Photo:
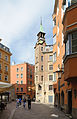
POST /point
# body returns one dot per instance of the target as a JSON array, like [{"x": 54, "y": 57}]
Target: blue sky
[{"x": 20, "y": 23}]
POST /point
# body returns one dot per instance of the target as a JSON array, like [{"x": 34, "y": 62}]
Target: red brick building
[{"x": 22, "y": 75}]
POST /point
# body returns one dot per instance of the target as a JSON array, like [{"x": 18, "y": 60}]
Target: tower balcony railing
[{"x": 4, "y": 48}]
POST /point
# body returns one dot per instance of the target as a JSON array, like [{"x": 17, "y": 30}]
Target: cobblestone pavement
[{"x": 38, "y": 111}]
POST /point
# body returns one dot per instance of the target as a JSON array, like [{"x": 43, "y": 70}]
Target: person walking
[
  {"x": 29, "y": 103},
  {"x": 20, "y": 101},
  {"x": 17, "y": 102},
  {"x": 24, "y": 102}
]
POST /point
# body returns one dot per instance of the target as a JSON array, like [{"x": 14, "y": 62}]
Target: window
[
  {"x": 21, "y": 75},
  {"x": 67, "y": 47},
  {"x": 39, "y": 87},
  {"x": 36, "y": 59},
  {"x": 62, "y": 38},
  {"x": 58, "y": 8},
  {"x": 6, "y": 68},
  {"x": 41, "y": 78},
  {"x": 0, "y": 55},
  {"x": 58, "y": 29},
  {"x": 28, "y": 69},
  {"x": 6, "y": 78},
  {"x": 0, "y": 77},
  {"x": 62, "y": 65},
  {"x": 0, "y": 66},
  {"x": 71, "y": 43},
  {"x": 74, "y": 42},
  {"x": 51, "y": 58},
  {"x": 54, "y": 77},
  {"x": 50, "y": 67},
  {"x": 42, "y": 68},
  {"x": 72, "y": 1},
  {"x": 42, "y": 58},
  {"x": 21, "y": 68},
  {"x": 21, "y": 89},
  {"x": 54, "y": 39},
  {"x": 17, "y": 82},
  {"x": 58, "y": 49},
  {"x": 17, "y": 89},
  {"x": 50, "y": 77},
  {"x": 17, "y": 75},
  {"x": 31, "y": 71},
  {"x": 50, "y": 87},
  {"x": 41, "y": 48},
  {"x": 30, "y": 76},
  {"x": 30, "y": 82},
  {"x": 36, "y": 68},
  {"x": 54, "y": 57},
  {"x": 17, "y": 69},
  {"x": 6, "y": 58},
  {"x": 21, "y": 82},
  {"x": 54, "y": 22},
  {"x": 36, "y": 78}
]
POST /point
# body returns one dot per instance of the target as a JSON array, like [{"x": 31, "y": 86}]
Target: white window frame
[
  {"x": 54, "y": 39},
  {"x": 54, "y": 57}
]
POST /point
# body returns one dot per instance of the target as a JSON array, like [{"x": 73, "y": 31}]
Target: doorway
[{"x": 70, "y": 101}]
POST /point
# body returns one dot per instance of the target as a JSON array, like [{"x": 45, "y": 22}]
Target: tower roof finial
[{"x": 41, "y": 27}]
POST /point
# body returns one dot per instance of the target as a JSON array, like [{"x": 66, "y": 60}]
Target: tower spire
[{"x": 41, "y": 27}]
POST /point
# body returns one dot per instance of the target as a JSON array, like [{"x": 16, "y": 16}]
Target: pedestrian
[
  {"x": 29, "y": 103},
  {"x": 24, "y": 102},
  {"x": 20, "y": 101},
  {"x": 17, "y": 102}
]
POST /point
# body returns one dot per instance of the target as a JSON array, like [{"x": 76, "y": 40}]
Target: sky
[{"x": 20, "y": 23}]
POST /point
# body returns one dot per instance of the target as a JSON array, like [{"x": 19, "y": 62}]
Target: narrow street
[{"x": 38, "y": 111}]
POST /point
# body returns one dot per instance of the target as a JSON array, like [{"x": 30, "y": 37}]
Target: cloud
[{"x": 19, "y": 23}]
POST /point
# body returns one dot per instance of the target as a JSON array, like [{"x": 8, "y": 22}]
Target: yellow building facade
[{"x": 4, "y": 68}]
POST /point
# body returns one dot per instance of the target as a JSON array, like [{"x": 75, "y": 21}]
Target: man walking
[{"x": 29, "y": 103}]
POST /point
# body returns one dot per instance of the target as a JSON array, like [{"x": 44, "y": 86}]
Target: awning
[{"x": 5, "y": 85}]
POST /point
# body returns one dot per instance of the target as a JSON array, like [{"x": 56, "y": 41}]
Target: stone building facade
[
  {"x": 43, "y": 70},
  {"x": 4, "y": 71}
]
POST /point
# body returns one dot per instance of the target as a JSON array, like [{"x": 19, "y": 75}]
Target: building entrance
[
  {"x": 70, "y": 101},
  {"x": 19, "y": 96}
]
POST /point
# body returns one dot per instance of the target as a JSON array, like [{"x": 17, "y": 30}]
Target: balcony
[
  {"x": 48, "y": 48},
  {"x": 70, "y": 67}
]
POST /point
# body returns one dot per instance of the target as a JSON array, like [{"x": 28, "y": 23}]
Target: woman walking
[{"x": 24, "y": 102}]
